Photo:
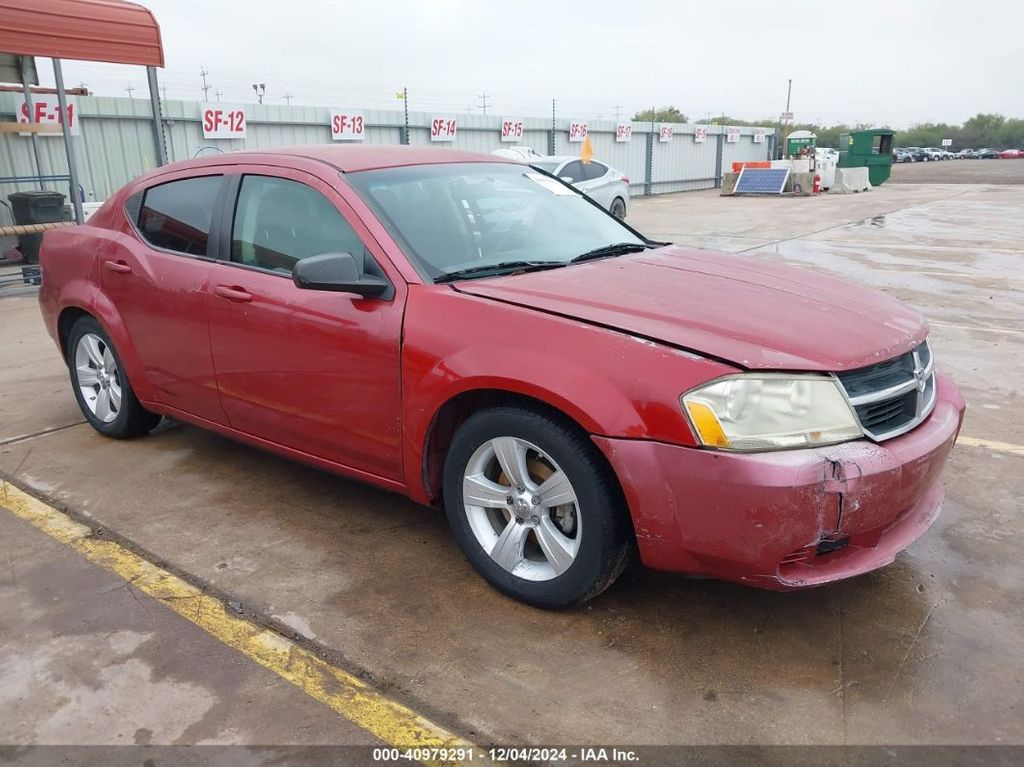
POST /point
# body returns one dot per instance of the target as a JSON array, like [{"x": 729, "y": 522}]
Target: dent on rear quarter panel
[{"x": 609, "y": 382}]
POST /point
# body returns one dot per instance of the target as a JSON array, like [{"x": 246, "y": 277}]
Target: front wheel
[
  {"x": 101, "y": 387},
  {"x": 535, "y": 508},
  {"x": 618, "y": 208}
]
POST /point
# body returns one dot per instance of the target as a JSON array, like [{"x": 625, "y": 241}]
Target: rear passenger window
[
  {"x": 573, "y": 171},
  {"x": 594, "y": 170},
  {"x": 278, "y": 222},
  {"x": 177, "y": 215}
]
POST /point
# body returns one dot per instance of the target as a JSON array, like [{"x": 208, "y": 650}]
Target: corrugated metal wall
[{"x": 116, "y": 142}]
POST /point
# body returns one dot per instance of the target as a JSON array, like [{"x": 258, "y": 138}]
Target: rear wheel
[
  {"x": 101, "y": 387},
  {"x": 535, "y": 508},
  {"x": 618, "y": 208}
]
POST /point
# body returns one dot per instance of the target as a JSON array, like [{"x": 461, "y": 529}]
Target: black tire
[
  {"x": 132, "y": 420},
  {"x": 618, "y": 208},
  {"x": 606, "y": 535}
]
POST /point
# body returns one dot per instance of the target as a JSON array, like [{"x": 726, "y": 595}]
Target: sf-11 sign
[
  {"x": 46, "y": 111},
  {"x": 623, "y": 132},
  {"x": 577, "y": 132},
  {"x": 665, "y": 134},
  {"x": 700, "y": 134},
  {"x": 759, "y": 135},
  {"x": 732, "y": 135},
  {"x": 443, "y": 129},
  {"x": 511, "y": 130},
  {"x": 348, "y": 126},
  {"x": 224, "y": 122}
]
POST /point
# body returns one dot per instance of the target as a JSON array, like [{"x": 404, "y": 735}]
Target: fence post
[
  {"x": 720, "y": 139},
  {"x": 649, "y": 162},
  {"x": 551, "y": 133}
]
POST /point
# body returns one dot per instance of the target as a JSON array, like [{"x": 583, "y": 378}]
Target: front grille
[{"x": 894, "y": 396}]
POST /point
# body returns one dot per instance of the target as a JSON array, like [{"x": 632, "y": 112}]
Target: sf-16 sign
[
  {"x": 347, "y": 126},
  {"x": 577, "y": 132},
  {"x": 224, "y": 122}
]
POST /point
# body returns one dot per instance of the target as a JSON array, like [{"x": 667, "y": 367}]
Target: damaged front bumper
[{"x": 789, "y": 519}]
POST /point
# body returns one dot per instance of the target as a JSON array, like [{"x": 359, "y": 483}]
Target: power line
[{"x": 206, "y": 87}]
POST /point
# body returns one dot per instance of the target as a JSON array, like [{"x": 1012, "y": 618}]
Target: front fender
[{"x": 609, "y": 382}]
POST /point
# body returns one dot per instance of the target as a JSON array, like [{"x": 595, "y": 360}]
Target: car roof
[
  {"x": 347, "y": 158},
  {"x": 559, "y": 158}
]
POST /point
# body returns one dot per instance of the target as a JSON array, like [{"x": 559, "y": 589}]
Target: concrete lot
[
  {"x": 959, "y": 172},
  {"x": 925, "y": 651}
]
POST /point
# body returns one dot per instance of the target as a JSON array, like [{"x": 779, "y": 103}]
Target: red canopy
[{"x": 89, "y": 30}]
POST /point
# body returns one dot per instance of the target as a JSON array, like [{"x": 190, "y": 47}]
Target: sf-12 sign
[
  {"x": 665, "y": 134},
  {"x": 623, "y": 132},
  {"x": 700, "y": 134},
  {"x": 577, "y": 132},
  {"x": 732, "y": 135},
  {"x": 759, "y": 135},
  {"x": 511, "y": 130},
  {"x": 46, "y": 111},
  {"x": 443, "y": 129},
  {"x": 347, "y": 126},
  {"x": 224, "y": 122}
]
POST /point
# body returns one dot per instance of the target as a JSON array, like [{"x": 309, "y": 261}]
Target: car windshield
[
  {"x": 547, "y": 167},
  {"x": 462, "y": 217}
]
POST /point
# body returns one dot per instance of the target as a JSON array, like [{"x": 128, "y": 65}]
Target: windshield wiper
[
  {"x": 618, "y": 249},
  {"x": 504, "y": 267}
]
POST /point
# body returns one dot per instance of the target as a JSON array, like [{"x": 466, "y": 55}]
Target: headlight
[{"x": 769, "y": 412}]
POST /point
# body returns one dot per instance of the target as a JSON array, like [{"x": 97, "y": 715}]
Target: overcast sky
[{"x": 896, "y": 61}]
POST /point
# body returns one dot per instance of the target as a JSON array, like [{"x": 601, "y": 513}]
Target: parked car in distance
[
  {"x": 917, "y": 153},
  {"x": 986, "y": 154},
  {"x": 479, "y": 336},
  {"x": 600, "y": 182},
  {"x": 1010, "y": 154},
  {"x": 902, "y": 155},
  {"x": 934, "y": 153},
  {"x": 966, "y": 154}
]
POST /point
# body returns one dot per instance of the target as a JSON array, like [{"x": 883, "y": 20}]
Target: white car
[{"x": 601, "y": 183}]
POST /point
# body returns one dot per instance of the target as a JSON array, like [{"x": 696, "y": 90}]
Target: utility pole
[
  {"x": 618, "y": 112},
  {"x": 483, "y": 102},
  {"x": 163, "y": 90},
  {"x": 404, "y": 96},
  {"x": 551, "y": 136},
  {"x": 288, "y": 98},
  {"x": 130, "y": 90},
  {"x": 785, "y": 123},
  {"x": 261, "y": 90},
  {"x": 206, "y": 87},
  {"x": 219, "y": 94}
]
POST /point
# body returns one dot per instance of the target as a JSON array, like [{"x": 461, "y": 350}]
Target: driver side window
[{"x": 279, "y": 222}]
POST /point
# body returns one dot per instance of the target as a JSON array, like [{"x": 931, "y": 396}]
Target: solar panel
[{"x": 761, "y": 181}]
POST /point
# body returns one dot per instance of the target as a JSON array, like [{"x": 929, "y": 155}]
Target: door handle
[
  {"x": 120, "y": 267},
  {"x": 233, "y": 293}
]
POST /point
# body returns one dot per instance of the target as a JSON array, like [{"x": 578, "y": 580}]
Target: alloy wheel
[
  {"x": 522, "y": 508},
  {"x": 98, "y": 377}
]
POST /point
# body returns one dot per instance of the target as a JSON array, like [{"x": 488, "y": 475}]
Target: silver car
[{"x": 601, "y": 183}]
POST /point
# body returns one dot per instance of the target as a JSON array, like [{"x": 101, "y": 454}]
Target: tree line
[{"x": 982, "y": 130}]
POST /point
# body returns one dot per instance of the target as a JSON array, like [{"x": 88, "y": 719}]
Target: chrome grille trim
[{"x": 919, "y": 376}]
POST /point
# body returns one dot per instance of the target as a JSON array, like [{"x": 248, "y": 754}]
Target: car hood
[{"x": 753, "y": 313}]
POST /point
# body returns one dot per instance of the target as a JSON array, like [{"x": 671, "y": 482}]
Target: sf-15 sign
[
  {"x": 224, "y": 122},
  {"x": 511, "y": 130},
  {"x": 46, "y": 111},
  {"x": 348, "y": 126}
]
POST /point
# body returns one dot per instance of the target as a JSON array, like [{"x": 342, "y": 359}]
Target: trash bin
[
  {"x": 37, "y": 207},
  {"x": 870, "y": 148}
]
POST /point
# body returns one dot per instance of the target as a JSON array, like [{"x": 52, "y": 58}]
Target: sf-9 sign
[
  {"x": 577, "y": 132},
  {"x": 224, "y": 122},
  {"x": 511, "y": 130},
  {"x": 443, "y": 129},
  {"x": 347, "y": 126}
]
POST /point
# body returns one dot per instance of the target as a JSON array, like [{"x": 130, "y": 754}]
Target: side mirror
[{"x": 337, "y": 272}]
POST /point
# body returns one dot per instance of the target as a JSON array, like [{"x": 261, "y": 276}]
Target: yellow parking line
[
  {"x": 1001, "y": 447},
  {"x": 389, "y": 721}
]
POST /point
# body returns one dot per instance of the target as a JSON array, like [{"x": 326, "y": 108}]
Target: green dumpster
[
  {"x": 871, "y": 148},
  {"x": 797, "y": 140}
]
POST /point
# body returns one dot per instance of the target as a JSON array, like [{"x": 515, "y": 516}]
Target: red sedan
[{"x": 477, "y": 335}]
